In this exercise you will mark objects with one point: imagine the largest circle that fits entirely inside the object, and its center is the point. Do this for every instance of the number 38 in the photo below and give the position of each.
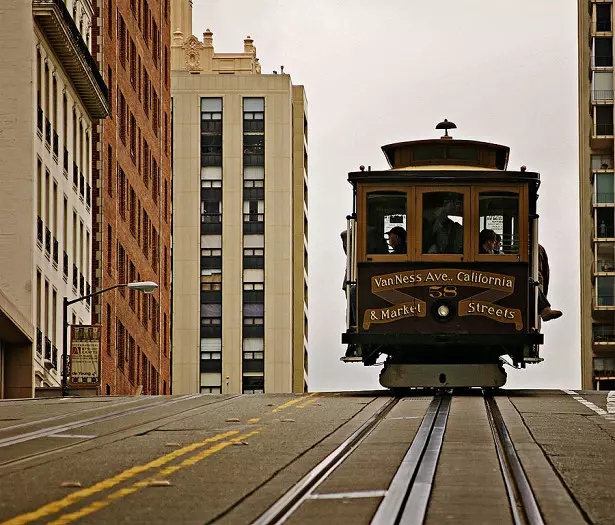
(442, 291)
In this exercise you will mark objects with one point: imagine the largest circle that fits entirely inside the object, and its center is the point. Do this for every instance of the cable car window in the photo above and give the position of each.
(498, 223)
(386, 222)
(442, 222)
(464, 153)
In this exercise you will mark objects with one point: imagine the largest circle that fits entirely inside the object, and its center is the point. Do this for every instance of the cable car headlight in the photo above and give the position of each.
(443, 311)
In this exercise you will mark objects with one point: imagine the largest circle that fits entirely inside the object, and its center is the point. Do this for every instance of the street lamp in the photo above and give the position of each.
(145, 287)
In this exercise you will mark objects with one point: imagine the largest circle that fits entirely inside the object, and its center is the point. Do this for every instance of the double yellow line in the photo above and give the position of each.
(61, 504)
(221, 442)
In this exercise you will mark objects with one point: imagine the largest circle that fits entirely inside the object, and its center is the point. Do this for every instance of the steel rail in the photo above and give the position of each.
(408, 494)
(76, 412)
(162, 421)
(287, 504)
(35, 434)
(523, 504)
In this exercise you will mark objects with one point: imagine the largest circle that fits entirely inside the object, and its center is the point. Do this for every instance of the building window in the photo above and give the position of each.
(166, 201)
(253, 132)
(108, 329)
(122, 112)
(254, 217)
(121, 337)
(110, 170)
(602, 162)
(602, 52)
(603, 17)
(132, 210)
(211, 314)
(146, 163)
(110, 17)
(121, 266)
(605, 290)
(164, 335)
(133, 138)
(109, 249)
(253, 384)
(121, 185)
(133, 64)
(146, 234)
(603, 185)
(253, 349)
(211, 217)
(605, 223)
(122, 40)
(131, 359)
(602, 86)
(211, 132)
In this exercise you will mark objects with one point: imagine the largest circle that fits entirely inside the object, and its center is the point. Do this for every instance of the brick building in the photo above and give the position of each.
(132, 199)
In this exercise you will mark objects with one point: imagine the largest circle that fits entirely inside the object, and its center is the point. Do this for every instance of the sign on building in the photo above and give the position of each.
(85, 355)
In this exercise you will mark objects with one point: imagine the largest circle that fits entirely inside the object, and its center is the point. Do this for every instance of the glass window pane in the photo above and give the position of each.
(253, 344)
(604, 187)
(211, 344)
(498, 222)
(602, 162)
(211, 310)
(604, 222)
(211, 104)
(386, 222)
(254, 104)
(606, 291)
(253, 310)
(253, 172)
(442, 222)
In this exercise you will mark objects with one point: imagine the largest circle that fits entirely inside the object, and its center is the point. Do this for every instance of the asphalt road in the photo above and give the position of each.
(226, 459)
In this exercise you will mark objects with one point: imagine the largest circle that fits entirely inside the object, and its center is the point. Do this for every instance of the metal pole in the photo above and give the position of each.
(65, 304)
(348, 268)
(65, 347)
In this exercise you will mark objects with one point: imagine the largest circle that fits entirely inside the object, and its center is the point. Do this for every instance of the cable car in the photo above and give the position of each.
(442, 265)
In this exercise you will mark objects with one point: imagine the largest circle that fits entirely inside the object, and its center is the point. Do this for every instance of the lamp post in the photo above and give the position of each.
(145, 287)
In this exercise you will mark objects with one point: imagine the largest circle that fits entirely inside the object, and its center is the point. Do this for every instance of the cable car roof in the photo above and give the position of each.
(446, 152)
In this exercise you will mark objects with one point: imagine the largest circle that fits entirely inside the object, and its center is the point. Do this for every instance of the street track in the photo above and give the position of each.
(522, 500)
(70, 414)
(406, 500)
(303, 489)
(53, 430)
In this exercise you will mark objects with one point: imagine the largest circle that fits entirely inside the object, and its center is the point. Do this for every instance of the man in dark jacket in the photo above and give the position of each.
(544, 306)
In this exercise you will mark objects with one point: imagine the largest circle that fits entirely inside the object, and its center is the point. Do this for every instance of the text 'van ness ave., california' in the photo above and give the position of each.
(450, 276)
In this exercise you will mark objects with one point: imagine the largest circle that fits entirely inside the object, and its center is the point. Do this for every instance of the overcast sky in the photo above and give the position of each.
(504, 71)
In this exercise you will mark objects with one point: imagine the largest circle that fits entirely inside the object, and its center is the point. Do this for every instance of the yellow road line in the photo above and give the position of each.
(193, 460)
(308, 402)
(71, 499)
(292, 402)
(254, 420)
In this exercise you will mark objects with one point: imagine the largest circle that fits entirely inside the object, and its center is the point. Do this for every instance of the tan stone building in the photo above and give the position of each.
(597, 194)
(52, 98)
(240, 220)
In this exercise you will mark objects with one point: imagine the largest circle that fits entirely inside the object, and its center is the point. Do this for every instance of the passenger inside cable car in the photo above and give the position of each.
(442, 222)
(386, 212)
